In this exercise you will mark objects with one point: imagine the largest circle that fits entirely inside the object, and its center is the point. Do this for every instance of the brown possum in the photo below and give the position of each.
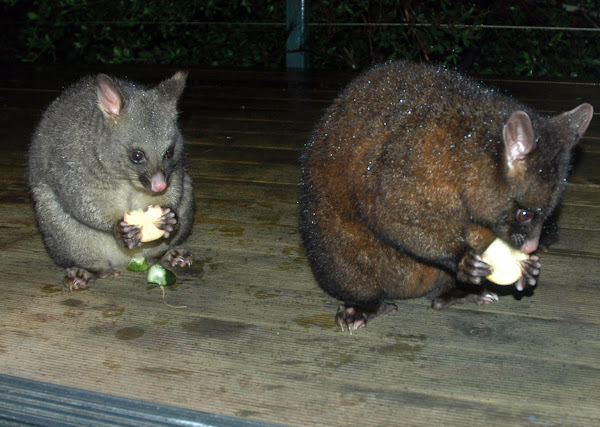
(108, 146)
(412, 172)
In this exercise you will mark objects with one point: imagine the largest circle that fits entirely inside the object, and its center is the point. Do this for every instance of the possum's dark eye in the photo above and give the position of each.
(137, 156)
(169, 153)
(523, 215)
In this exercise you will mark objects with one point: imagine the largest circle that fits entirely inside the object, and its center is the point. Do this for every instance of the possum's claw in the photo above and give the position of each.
(177, 257)
(350, 318)
(78, 278)
(353, 317)
(472, 269)
(129, 236)
(458, 296)
(486, 298)
(531, 270)
(167, 222)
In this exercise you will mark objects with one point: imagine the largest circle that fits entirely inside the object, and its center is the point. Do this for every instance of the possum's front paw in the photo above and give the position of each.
(531, 270)
(167, 222)
(129, 236)
(146, 221)
(472, 269)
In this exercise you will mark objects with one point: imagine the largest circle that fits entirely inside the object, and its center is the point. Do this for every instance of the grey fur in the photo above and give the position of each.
(82, 179)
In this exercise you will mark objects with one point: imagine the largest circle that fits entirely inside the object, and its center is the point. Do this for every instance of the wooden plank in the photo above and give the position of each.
(234, 228)
(580, 217)
(233, 138)
(582, 195)
(194, 350)
(257, 339)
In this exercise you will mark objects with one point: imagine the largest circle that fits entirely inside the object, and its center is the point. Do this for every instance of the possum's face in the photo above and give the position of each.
(521, 222)
(153, 172)
(151, 146)
(535, 191)
(144, 142)
(536, 164)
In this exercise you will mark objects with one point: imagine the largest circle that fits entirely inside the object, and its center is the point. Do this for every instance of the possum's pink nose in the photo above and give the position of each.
(158, 182)
(530, 246)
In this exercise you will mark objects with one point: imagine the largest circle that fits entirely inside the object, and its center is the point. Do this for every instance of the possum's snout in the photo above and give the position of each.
(158, 182)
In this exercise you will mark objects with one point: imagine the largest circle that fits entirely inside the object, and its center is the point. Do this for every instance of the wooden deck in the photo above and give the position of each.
(257, 340)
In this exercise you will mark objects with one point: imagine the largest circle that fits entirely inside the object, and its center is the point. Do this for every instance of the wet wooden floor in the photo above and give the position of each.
(257, 339)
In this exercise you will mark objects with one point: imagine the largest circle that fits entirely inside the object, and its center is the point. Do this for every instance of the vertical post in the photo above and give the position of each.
(297, 32)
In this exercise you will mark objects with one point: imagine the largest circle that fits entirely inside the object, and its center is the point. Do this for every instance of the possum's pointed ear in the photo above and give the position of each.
(577, 120)
(109, 97)
(518, 137)
(172, 88)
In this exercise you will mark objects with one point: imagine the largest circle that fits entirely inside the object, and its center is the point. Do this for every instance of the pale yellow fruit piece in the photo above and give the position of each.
(145, 221)
(505, 262)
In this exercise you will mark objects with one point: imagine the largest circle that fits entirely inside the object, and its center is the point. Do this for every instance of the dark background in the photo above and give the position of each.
(251, 34)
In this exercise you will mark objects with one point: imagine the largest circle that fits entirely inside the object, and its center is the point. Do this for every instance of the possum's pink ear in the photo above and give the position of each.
(518, 137)
(109, 97)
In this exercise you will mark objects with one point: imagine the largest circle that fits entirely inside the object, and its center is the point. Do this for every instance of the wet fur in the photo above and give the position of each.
(406, 177)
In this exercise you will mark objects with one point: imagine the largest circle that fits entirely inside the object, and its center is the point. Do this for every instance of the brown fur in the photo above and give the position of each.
(408, 175)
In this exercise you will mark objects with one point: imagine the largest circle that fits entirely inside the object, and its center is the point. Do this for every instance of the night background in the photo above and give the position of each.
(251, 34)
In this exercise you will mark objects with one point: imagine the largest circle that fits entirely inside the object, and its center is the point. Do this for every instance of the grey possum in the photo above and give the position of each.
(104, 147)
(409, 175)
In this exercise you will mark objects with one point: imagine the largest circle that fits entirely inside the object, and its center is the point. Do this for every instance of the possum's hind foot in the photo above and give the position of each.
(78, 278)
(459, 296)
(352, 317)
(177, 257)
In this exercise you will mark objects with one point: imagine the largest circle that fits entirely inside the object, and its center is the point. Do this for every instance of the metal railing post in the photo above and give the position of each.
(297, 13)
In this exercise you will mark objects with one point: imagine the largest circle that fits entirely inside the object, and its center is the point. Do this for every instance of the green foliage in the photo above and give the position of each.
(458, 34)
(144, 32)
(251, 34)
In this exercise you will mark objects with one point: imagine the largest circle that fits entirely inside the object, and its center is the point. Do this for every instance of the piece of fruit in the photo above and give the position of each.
(145, 220)
(138, 264)
(505, 262)
(160, 276)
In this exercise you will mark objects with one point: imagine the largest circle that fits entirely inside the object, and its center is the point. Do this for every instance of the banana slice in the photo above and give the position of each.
(145, 221)
(505, 262)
